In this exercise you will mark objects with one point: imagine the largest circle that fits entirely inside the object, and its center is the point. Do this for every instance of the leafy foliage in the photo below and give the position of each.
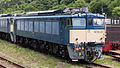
(66, 2)
(99, 6)
(113, 4)
(116, 12)
(95, 6)
(78, 3)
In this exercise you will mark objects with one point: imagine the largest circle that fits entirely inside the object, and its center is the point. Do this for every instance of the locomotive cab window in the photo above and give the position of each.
(79, 22)
(98, 22)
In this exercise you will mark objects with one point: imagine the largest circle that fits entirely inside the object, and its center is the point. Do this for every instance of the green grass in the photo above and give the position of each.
(33, 59)
(108, 60)
(30, 58)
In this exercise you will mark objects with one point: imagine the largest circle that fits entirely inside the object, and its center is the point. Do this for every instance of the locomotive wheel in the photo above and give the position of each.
(46, 49)
(3, 36)
(29, 44)
(26, 42)
(42, 48)
(20, 41)
(8, 37)
(90, 58)
(62, 51)
(34, 44)
(55, 49)
(50, 48)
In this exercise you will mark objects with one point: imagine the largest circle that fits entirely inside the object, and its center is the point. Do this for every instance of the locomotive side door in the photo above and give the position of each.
(12, 30)
(89, 23)
(11, 27)
(62, 30)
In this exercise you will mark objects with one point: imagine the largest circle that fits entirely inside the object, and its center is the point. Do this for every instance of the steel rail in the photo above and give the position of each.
(12, 63)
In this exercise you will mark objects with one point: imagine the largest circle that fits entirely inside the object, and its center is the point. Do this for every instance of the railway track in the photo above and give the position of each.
(97, 65)
(1, 66)
(115, 54)
(91, 64)
(5, 63)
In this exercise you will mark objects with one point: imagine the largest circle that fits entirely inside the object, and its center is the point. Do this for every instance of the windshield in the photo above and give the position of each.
(79, 22)
(98, 22)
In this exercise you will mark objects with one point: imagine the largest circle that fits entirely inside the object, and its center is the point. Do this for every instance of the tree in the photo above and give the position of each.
(112, 5)
(99, 6)
(74, 3)
(116, 12)
(48, 3)
(59, 7)
(66, 2)
(95, 6)
(78, 4)
(33, 6)
(88, 1)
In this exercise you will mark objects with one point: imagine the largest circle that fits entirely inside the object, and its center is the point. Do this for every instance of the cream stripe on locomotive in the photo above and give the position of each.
(87, 36)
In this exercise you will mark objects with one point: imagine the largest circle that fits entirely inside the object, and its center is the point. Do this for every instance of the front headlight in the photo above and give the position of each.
(82, 48)
(77, 49)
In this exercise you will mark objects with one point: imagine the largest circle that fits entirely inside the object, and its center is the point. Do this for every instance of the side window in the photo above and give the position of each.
(30, 25)
(36, 26)
(18, 24)
(6, 23)
(1, 23)
(48, 27)
(22, 25)
(55, 28)
(26, 25)
(42, 26)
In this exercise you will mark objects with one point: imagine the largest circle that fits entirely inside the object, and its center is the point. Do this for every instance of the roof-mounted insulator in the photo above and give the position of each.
(76, 10)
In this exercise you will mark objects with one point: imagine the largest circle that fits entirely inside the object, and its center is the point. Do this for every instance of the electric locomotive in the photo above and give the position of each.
(82, 33)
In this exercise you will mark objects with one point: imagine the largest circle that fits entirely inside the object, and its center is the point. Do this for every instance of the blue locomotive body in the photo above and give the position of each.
(76, 31)
(47, 28)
